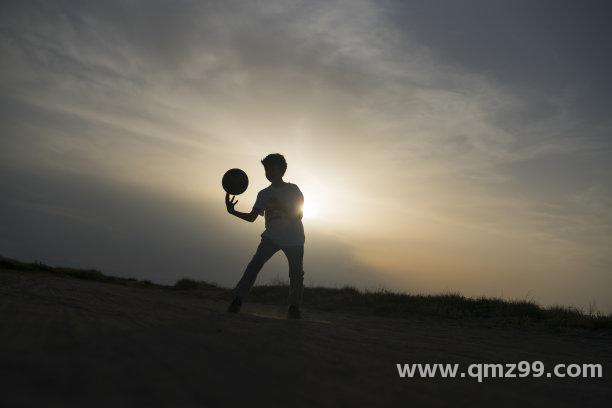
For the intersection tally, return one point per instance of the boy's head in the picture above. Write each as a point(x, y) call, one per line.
point(275, 166)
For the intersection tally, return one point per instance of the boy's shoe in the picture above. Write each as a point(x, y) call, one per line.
point(294, 312)
point(234, 307)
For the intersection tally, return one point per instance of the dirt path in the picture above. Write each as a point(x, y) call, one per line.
point(68, 342)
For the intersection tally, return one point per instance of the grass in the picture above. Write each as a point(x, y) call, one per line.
point(386, 303)
point(86, 274)
point(347, 299)
point(190, 284)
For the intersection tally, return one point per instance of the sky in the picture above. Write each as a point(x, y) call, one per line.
point(441, 146)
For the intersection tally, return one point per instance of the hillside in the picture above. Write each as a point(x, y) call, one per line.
point(80, 338)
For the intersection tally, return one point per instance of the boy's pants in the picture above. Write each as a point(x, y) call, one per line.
point(265, 250)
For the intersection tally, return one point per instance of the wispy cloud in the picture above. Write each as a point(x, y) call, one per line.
point(407, 124)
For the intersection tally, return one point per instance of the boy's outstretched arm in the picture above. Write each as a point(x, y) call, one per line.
point(230, 203)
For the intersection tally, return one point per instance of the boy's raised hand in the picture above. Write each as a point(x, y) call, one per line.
point(230, 203)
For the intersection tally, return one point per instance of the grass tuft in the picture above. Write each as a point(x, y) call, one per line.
point(186, 284)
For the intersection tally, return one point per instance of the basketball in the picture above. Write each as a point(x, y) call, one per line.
point(235, 181)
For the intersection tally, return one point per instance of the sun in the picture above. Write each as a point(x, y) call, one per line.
point(310, 209)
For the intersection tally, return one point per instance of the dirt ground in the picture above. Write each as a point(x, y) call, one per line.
point(68, 342)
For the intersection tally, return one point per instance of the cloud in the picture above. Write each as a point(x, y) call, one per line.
point(536, 49)
point(412, 123)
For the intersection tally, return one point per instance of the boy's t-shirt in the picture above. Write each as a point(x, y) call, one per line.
point(282, 209)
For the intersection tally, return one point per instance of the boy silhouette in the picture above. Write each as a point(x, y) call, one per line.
point(281, 205)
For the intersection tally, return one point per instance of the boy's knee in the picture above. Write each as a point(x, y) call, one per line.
point(256, 263)
point(296, 274)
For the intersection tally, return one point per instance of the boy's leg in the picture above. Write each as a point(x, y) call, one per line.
point(295, 256)
point(264, 252)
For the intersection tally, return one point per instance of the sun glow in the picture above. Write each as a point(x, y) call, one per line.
point(310, 209)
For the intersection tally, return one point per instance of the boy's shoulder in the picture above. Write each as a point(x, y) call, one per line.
point(269, 188)
point(292, 185)
point(294, 189)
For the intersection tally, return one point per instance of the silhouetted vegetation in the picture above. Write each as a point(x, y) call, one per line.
point(190, 284)
point(386, 303)
point(86, 274)
point(348, 299)
point(185, 284)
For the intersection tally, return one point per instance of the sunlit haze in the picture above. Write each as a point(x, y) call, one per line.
point(458, 148)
